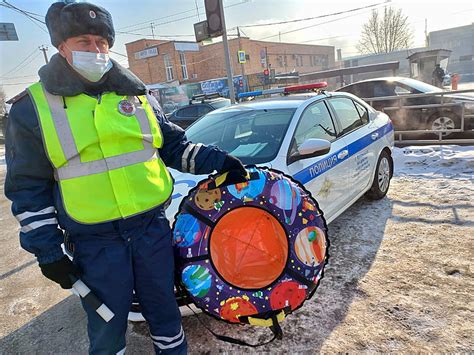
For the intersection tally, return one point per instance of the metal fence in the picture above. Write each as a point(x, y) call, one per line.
point(440, 133)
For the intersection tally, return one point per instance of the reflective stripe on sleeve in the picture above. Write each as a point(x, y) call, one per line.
point(38, 224)
point(22, 216)
point(184, 157)
point(192, 163)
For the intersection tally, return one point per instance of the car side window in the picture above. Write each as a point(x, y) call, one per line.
point(383, 89)
point(399, 90)
point(188, 112)
point(203, 109)
point(363, 113)
point(347, 114)
point(316, 122)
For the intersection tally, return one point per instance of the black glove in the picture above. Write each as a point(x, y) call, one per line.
point(236, 171)
point(59, 271)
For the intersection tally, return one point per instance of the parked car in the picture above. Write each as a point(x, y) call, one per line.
point(337, 145)
point(431, 118)
point(198, 106)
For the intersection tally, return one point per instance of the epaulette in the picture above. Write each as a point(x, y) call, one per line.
point(17, 97)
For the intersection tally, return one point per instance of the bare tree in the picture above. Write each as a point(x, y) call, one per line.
point(385, 32)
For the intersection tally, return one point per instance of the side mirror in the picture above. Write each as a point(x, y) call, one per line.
point(310, 148)
point(373, 115)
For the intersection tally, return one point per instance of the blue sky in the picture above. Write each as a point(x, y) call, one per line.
point(175, 18)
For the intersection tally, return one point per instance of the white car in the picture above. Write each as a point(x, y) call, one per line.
point(339, 147)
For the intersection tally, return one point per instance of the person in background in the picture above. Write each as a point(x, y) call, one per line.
point(438, 76)
point(86, 155)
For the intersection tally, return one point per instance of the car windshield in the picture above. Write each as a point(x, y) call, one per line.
point(254, 136)
point(419, 86)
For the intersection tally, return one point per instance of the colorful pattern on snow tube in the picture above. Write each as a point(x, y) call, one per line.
point(250, 249)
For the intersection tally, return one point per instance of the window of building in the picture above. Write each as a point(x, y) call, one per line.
point(168, 67)
point(184, 70)
point(465, 57)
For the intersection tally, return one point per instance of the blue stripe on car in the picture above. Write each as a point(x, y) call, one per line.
point(323, 165)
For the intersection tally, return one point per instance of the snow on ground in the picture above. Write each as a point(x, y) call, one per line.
point(449, 161)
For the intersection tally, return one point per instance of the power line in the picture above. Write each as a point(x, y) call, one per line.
point(10, 6)
point(159, 18)
point(24, 60)
point(29, 17)
point(175, 20)
point(29, 82)
point(306, 27)
point(118, 53)
point(146, 35)
point(18, 77)
point(311, 18)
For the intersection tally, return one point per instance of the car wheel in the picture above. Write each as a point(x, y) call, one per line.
point(443, 121)
point(383, 174)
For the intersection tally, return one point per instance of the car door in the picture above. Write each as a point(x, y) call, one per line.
point(359, 133)
point(324, 176)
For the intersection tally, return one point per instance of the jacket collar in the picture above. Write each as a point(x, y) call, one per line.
point(59, 78)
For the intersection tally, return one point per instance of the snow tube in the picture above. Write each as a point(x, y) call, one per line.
point(251, 252)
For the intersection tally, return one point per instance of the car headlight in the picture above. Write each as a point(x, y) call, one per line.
point(469, 106)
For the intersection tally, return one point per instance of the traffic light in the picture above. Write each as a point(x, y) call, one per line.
point(214, 17)
point(266, 76)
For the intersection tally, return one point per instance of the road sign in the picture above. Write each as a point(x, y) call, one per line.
point(200, 31)
point(8, 32)
point(241, 55)
point(266, 72)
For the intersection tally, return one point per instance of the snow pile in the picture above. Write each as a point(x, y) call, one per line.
point(449, 161)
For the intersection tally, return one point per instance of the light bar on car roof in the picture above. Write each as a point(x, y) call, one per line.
point(285, 90)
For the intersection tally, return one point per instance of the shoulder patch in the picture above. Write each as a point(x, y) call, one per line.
point(17, 97)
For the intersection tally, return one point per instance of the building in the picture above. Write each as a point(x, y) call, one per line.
point(399, 55)
point(157, 61)
point(460, 40)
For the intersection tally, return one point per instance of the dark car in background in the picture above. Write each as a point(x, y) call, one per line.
point(430, 118)
point(198, 106)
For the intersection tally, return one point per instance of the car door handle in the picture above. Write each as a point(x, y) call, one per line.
point(374, 136)
point(342, 154)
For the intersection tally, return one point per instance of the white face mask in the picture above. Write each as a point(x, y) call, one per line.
point(91, 66)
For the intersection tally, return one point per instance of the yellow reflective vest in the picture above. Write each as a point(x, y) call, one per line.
point(104, 154)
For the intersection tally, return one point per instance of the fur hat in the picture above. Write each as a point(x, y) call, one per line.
point(74, 19)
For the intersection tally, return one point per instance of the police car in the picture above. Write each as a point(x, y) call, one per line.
point(338, 146)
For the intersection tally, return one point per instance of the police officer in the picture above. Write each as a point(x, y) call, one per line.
point(87, 155)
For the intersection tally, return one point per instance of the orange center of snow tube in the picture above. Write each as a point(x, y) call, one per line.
point(249, 260)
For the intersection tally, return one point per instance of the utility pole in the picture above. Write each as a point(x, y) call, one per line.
point(152, 25)
point(427, 43)
point(44, 49)
point(230, 81)
point(242, 67)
